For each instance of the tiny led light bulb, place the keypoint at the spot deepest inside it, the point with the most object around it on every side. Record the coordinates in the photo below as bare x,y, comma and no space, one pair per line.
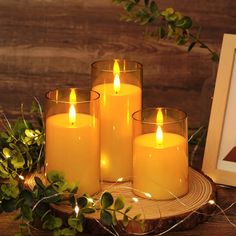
135,199
212,202
76,209
120,179
148,195
21,177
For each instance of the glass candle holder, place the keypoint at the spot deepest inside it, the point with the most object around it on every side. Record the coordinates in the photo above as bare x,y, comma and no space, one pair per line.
160,153
119,83
72,137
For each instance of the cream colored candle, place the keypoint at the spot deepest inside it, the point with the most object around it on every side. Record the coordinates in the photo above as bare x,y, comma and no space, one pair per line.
72,144
160,167
72,149
117,106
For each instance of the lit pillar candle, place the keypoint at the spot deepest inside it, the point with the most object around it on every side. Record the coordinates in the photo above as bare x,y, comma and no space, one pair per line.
120,92
72,141
160,158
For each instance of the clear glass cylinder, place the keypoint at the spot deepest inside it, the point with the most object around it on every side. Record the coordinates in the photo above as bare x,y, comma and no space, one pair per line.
73,136
160,153
119,83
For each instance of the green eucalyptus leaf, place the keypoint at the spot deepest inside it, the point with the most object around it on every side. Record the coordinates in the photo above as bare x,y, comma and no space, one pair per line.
162,32
119,203
55,176
106,217
180,41
4,135
203,46
88,210
191,46
10,190
52,223
82,202
142,225
215,57
114,219
184,23
129,6
136,217
29,133
146,2
26,212
75,224
28,197
67,232
3,173
8,205
125,220
169,11
153,7
39,183
18,161
52,195
128,209
106,200
79,228
19,127
6,152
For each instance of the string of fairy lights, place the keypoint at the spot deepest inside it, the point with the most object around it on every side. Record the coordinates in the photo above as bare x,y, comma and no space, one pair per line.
136,200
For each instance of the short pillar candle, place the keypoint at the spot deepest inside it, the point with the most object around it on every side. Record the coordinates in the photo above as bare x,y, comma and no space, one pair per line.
72,137
160,153
119,83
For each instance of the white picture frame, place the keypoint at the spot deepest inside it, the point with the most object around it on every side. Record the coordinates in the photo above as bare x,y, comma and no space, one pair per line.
221,137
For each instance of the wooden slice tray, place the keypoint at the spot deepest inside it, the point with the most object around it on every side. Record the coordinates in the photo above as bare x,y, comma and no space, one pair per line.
183,213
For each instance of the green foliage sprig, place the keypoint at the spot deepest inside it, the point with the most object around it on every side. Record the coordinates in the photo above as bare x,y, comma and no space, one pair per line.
35,206
168,23
22,144
22,153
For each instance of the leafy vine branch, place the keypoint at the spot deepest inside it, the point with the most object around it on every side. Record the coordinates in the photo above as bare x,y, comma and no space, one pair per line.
167,24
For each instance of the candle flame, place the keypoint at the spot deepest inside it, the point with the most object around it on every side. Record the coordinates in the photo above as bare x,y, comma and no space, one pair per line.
159,118
159,135
72,111
72,96
116,68
159,132
116,73
116,84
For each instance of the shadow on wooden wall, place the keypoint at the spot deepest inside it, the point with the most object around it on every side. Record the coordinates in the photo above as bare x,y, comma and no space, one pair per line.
46,44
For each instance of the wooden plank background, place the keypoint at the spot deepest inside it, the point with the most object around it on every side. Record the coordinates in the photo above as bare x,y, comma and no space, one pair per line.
46,44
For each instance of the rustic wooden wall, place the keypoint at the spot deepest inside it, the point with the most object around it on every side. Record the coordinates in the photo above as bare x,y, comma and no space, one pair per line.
50,43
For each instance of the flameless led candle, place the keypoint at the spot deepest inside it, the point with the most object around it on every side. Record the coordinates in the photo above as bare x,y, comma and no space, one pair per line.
160,158
119,84
72,137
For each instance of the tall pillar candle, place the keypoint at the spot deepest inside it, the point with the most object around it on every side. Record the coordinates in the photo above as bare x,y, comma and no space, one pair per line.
160,158
72,137
119,84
